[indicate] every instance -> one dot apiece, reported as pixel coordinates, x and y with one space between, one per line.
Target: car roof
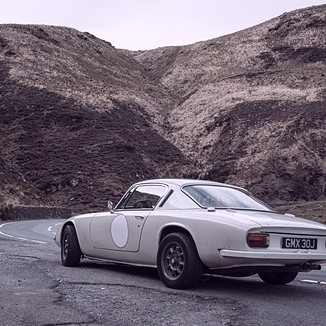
184 182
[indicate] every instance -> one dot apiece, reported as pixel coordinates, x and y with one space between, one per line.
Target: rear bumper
293 256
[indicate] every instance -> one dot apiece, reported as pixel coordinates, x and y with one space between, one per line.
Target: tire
178 263
278 277
70 250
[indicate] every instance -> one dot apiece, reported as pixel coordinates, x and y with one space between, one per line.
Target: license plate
299 243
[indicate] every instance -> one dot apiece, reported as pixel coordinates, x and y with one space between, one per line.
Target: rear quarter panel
211 231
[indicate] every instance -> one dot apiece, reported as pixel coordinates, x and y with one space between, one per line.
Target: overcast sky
149 24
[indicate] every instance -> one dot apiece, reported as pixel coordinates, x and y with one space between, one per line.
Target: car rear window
223 197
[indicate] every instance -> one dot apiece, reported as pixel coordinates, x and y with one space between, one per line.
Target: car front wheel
70 250
278 277
178 263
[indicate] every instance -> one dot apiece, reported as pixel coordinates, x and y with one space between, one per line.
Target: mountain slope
81 120
253 104
78 136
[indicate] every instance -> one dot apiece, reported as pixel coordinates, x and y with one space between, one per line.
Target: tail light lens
258 240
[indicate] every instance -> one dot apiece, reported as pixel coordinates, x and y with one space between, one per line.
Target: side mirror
110 206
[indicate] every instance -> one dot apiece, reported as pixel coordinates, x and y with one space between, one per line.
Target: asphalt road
35 289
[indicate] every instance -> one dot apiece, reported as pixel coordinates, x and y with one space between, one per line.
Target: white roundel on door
119 231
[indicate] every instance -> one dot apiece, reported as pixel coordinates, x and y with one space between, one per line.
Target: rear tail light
258 240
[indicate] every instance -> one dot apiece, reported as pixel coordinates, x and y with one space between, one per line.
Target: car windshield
223 197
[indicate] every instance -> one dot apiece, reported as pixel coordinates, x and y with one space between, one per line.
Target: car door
122 229
119 231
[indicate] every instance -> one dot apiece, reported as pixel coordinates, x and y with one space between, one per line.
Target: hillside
79 121
82 120
253 104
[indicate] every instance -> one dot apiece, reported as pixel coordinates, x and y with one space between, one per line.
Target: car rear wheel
178 263
278 277
70 250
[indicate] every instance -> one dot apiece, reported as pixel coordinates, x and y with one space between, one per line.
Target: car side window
143 197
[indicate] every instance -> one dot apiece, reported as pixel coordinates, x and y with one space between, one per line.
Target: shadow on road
213 285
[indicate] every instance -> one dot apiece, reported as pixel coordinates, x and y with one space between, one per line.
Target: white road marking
18 238
3 224
313 282
51 227
24 293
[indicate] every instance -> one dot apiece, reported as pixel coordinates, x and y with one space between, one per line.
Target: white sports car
186 228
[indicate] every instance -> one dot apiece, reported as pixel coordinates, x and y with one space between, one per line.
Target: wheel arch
178 270
70 248
197 239
81 224
173 229
63 227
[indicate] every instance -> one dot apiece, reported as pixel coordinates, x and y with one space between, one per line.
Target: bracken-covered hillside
253 104
81 120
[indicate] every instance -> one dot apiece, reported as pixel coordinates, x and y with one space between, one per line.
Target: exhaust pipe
307 267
